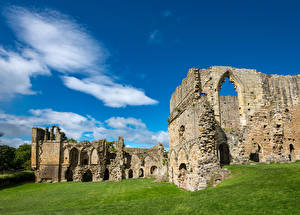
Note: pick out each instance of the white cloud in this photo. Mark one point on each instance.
(155, 37)
(16, 70)
(55, 41)
(112, 94)
(18, 128)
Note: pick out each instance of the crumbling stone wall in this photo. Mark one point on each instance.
(258, 125)
(55, 159)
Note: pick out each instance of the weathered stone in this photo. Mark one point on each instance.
(54, 159)
(260, 124)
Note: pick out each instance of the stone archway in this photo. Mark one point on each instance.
(224, 156)
(84, 157)
(141, 173)
(74, 157)
(87, 176)
(153, 170)
(106, 175)
(130, 173)
(236, 101)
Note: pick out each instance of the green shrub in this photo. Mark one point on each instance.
(17, 177)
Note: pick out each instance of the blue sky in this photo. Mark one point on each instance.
(101, 69)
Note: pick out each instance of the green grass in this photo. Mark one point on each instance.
(252, 189)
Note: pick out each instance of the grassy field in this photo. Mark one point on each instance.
(252, 189)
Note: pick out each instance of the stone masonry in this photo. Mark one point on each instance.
(55, 159)
(260, 124)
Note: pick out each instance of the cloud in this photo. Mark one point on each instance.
(155, 37)
(50, 40)
(17, 129)
(112, 94)
(16, 70)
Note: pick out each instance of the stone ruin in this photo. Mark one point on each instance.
(207, 131)
(55, 159)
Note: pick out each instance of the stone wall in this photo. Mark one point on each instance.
(258, 125)
(55, 159)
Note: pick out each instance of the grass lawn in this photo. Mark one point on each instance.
(252, 189)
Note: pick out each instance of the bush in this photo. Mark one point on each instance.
(17, 177)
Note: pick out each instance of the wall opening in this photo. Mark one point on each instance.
(292, 149)
(224, 156)
(229, 109)
(84, 157)
(106, 175)
(153, 170)
(74, 157)
(182, 170)
(130, 173)
(254, 157)
(87, 176)
(141, 173)
(69, 174)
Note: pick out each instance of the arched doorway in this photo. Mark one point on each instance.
(69, 174)
(153, 170)
(130, 173)
(87, 176)
(106, 175)
(141, 173)
(292, 149)
(224, 154)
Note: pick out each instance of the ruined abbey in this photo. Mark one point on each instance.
(206, 131)
(55, 159)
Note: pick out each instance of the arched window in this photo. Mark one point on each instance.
(228, 104)
(94, 157)
(84, 157)
(74, 157)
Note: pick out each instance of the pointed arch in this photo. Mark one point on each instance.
(74, 153)
(240, 89)
(94, 157)
(84, 157)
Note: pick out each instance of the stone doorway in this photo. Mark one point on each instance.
(153, 170)
(141, 173)
(224, 156)
(87, 176)
(130, 173)
(106, 175)
(69, 174)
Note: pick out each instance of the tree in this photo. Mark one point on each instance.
(23, 157)
(7, 155)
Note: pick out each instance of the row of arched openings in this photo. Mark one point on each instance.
(87, 176)
(141, 173)
(84, 157)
